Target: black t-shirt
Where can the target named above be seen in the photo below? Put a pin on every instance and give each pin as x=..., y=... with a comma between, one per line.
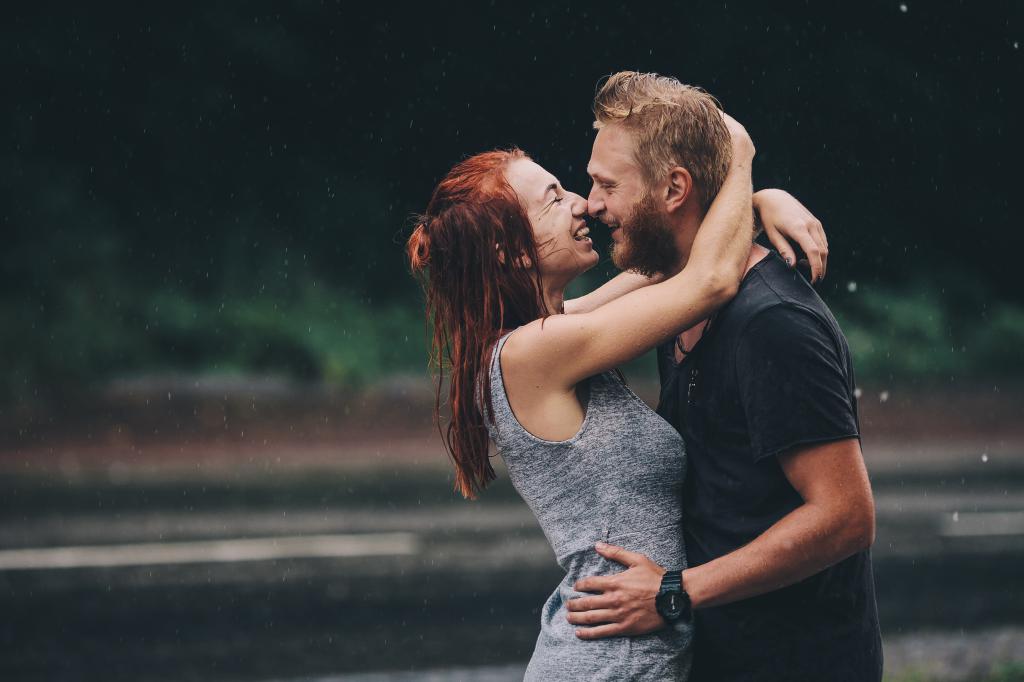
x=772, y=372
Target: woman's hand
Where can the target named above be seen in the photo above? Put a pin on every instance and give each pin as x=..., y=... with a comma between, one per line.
x=742, y=146
x=786, y=220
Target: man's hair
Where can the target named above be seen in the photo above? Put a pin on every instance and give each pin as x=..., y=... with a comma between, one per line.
x=672, y=124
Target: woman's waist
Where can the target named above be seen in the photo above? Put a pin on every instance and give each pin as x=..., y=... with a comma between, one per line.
x=662, y=544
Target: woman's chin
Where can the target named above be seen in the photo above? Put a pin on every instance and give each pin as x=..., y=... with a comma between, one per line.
x=588, y=260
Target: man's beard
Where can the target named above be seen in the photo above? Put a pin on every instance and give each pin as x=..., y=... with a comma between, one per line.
x=648, y=244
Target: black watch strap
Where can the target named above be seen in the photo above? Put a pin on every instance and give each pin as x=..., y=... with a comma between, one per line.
x=672, y=580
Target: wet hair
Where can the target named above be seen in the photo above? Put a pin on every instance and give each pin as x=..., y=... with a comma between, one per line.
x=672, y=124
x=466, y=251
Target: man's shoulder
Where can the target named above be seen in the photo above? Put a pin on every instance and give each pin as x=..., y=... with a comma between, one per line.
x=776, y=297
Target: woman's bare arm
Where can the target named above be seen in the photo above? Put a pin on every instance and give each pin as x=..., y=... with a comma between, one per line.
x=562, y=350
x=785, y=221
x=617, y=286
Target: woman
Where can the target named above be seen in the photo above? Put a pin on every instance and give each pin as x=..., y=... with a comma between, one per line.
x=498, y=244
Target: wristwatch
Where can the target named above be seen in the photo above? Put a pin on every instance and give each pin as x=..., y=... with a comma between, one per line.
x=672, y=601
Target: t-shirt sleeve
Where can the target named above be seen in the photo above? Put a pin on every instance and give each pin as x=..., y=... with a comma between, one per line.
x=794, y=382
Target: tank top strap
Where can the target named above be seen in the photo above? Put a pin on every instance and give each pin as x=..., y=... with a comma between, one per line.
x=500, y=409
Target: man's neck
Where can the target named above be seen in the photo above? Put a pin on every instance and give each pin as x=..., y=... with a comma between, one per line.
x=757, y=254
x=689, y=338
x=685, y=231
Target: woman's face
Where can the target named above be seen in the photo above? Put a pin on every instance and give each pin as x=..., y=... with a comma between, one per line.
x=557, y=218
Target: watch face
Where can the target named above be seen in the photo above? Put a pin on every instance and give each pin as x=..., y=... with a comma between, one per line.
x=670, y=604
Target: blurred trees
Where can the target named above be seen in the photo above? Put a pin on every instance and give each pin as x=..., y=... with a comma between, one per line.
x=221, y=186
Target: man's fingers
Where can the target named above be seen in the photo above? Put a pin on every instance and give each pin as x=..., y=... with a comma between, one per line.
x=589, y=603
x=619, y=555
x=600, y=631
x=598, y=617
x=594, y=583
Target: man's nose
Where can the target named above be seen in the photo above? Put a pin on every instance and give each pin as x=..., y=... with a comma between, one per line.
x=595, y=204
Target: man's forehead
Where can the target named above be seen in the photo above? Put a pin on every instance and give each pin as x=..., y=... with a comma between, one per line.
x=612, y=152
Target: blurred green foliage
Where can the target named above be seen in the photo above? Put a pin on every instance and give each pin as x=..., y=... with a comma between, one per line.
x=317, y=333
x=930, y=330
x=216, y=187
x=1001, y=672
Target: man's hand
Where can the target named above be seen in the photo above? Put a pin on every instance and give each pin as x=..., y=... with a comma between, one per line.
x=625, y=603
x=785, y=219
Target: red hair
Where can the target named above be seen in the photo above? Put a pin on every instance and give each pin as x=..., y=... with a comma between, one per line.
x=466, y=252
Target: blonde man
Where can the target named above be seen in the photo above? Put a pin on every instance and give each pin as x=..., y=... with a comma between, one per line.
x=778, y=510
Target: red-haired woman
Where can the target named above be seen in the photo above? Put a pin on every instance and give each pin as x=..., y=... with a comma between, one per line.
x=498, y=244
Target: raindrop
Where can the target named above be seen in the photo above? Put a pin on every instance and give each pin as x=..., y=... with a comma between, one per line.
x=851, y=286
x=903, y=7
x=883, y=396
x=956, y=516
x=857, y=393
x=984, y=457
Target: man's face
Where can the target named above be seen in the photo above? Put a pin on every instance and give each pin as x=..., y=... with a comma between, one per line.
x=642, y=238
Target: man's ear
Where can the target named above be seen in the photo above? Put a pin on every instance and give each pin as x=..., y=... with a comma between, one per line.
x=680, y=185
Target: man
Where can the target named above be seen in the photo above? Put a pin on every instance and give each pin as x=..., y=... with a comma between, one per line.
x=779, y=515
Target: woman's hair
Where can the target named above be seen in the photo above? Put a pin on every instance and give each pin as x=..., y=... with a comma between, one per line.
x=468, y=252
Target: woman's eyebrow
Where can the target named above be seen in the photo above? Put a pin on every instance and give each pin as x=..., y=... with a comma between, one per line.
x=553, y=187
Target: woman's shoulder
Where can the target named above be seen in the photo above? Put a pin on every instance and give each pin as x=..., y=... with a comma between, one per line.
x=531, y=340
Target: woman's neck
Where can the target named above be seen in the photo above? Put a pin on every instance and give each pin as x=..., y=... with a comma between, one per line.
x=554, y=298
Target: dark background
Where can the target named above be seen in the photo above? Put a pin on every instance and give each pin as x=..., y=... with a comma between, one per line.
x=226, y=187
x=208, y=332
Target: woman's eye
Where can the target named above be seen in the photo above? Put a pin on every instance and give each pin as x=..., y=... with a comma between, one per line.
x=558, y=200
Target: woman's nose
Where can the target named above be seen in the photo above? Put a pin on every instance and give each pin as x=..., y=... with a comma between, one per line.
x=579, y=205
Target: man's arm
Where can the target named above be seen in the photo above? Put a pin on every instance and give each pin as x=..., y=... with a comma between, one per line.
x=784, y=220
x=836, y=520
x=792, y=381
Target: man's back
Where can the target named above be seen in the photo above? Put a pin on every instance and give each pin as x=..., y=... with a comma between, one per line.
x=772, y=373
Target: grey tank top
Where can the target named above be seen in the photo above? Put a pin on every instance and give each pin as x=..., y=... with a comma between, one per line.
x=619, y=479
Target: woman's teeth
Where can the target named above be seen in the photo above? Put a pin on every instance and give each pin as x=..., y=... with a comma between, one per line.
x=581, y=234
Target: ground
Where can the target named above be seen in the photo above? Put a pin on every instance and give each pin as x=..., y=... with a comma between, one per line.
x=236, y=486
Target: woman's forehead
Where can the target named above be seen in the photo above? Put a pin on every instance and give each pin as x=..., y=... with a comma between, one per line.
x=529, y=180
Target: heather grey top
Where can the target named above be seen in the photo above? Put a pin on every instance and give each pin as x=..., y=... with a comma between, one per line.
x=619, y=479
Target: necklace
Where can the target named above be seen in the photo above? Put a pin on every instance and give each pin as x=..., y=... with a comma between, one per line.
x=679, y=339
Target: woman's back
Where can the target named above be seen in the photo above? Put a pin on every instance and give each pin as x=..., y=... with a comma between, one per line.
x=619, y=480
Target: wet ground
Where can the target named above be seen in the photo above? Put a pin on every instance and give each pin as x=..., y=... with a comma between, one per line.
x=317, y=574
x=243, y=533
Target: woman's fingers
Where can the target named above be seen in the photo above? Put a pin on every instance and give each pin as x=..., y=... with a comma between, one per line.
x=781, y=244
x=823, y=245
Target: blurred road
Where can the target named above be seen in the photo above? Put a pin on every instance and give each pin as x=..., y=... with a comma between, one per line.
x=322, y=575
